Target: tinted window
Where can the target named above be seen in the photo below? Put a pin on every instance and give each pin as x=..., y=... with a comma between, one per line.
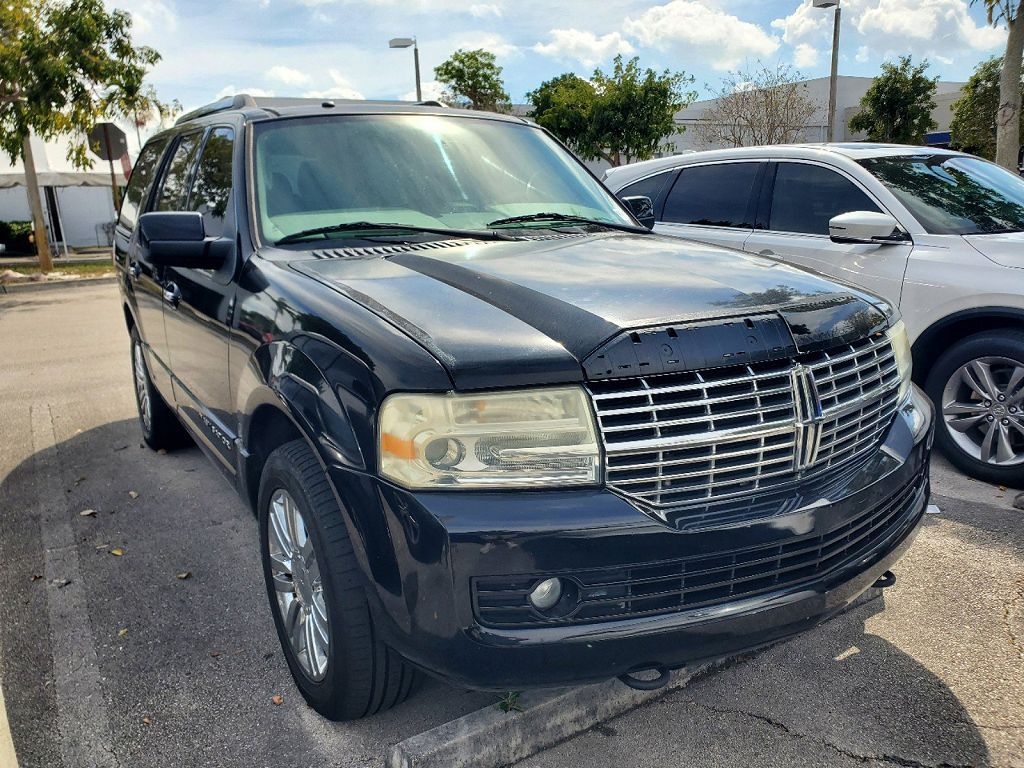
x=211, y=191
x=807, y=196
x=718, y=195
x=174, y=189
x=140, y=182
x=953, y=194
x=650, y=187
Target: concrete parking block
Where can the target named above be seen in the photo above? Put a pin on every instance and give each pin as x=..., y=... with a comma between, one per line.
x=492, y=738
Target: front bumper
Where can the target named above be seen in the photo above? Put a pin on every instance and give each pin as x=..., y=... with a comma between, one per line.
x=425, y=552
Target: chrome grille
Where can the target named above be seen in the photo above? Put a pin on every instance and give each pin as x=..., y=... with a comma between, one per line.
x=686, y=438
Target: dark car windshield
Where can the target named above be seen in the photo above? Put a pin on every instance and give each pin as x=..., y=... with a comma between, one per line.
x=423, y=170
x=954, y=194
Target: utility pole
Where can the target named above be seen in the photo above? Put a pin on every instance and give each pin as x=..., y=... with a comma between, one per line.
x=833, y=82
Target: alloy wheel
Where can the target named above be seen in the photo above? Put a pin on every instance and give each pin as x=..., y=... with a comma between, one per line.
x=142, y=388
x=297, y=584
x=983, y=409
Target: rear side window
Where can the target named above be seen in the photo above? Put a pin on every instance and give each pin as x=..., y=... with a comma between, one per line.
x=651, y=187
x=211, y=191
x=806, y=196
x=140, y=182
x=714, y=195
x=174, y=189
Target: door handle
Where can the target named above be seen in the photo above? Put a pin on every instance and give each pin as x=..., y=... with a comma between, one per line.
x=134, y=270
x=172, y=295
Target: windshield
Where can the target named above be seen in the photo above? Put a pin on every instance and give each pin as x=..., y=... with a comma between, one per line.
x=421, y=170
x=954, y=194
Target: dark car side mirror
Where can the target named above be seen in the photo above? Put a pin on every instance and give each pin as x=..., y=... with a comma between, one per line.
x=642, y=209
x=178, y=239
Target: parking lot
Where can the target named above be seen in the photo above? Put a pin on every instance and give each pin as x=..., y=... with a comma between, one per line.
x=134, y=629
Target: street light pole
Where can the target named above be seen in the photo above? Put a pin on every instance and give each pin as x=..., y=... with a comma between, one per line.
x=833, y=81
x=410, y=42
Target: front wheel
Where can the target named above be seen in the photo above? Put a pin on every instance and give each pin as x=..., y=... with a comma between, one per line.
x=316, y=594
x=978, y=390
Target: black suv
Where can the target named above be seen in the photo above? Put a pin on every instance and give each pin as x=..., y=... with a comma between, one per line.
x=492, y=427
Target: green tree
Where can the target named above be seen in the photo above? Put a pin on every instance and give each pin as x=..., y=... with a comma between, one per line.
x=1008, y=109
x=472, y=79
x=64, y=66
x=619, y=117
x=898, y=106
x=973, y=128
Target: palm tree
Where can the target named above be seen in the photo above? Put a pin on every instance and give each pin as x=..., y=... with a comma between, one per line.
x=1008, y=115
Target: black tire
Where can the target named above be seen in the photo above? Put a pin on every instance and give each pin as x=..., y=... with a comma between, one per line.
x=363, y=676
x=163, y=431
x=1001, y=344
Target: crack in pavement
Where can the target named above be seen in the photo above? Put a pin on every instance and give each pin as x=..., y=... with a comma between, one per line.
x=904, y=762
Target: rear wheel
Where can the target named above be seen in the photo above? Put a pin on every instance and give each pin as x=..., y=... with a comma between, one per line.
x=978, y=390
x=317, y=597
x=160, y=427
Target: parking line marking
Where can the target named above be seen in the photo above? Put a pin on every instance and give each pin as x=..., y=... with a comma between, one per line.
x=82, y=710
x=8, y=758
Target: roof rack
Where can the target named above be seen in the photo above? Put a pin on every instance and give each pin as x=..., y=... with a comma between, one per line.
x=274, y=103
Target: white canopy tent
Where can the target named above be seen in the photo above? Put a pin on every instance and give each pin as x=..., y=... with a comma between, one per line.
x=78, y=203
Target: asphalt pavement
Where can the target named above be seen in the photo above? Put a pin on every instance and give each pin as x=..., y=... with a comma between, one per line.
x=165, y=654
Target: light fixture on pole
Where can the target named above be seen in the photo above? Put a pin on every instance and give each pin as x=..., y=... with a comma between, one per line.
x=834, y=77
x=407, y=42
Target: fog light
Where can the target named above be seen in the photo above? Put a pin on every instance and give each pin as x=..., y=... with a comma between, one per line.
x=546, y=594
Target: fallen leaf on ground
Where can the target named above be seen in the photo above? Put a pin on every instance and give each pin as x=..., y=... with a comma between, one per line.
x=120, y=447
x=215, y=654
x=78, y=480
x=1001, y=487
x=88, y=513
x=133, y=494
x=117, y=551
x=102, y=546
x=60, y=583
x=162, y=452
x=278, y=699
x=146, y=721
x=122, y=632
x=36, y=577
x=183, y=575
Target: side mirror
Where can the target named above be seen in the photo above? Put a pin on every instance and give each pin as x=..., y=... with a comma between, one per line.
x=178, y=239
x=642, y=209
x=866, y=227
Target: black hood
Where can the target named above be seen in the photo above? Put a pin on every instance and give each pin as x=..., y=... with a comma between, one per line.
x=530, y=312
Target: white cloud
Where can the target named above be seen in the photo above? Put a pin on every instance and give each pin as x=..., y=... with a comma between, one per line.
x=432, y=91
x=479, y=10
x=340, y=88
x=230, y=90
x=935, y=28
x=584, y=47
x=494, y=43
x=694, y=29
x=805, y=55
x=288, y=75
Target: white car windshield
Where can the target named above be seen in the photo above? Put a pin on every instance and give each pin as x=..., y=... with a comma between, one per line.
x=425, y=171
x=954, y=194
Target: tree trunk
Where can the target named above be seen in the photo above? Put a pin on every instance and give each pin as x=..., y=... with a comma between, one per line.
x=1008, y=116
x=36, y=204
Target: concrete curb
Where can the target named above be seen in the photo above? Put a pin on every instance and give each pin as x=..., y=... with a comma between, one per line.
x=13, y=288
x=490, y=738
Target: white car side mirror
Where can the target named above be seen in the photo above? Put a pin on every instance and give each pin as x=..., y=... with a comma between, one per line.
x=869, y=227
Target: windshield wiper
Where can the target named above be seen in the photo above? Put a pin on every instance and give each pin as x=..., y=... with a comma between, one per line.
x=567, y=218
x=355, y=226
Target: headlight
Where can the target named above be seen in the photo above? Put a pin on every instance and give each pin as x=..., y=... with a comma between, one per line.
x=517, y=439
x=901, y=349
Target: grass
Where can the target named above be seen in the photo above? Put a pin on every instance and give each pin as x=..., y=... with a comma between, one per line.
x=79, y=269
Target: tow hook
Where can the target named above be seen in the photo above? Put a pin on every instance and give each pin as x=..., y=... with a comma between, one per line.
x=645, y=684
x=886, y=580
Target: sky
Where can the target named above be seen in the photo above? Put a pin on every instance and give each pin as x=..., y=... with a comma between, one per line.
x=339, y=48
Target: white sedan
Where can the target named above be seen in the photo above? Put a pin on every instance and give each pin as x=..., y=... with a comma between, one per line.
x=940, y=234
